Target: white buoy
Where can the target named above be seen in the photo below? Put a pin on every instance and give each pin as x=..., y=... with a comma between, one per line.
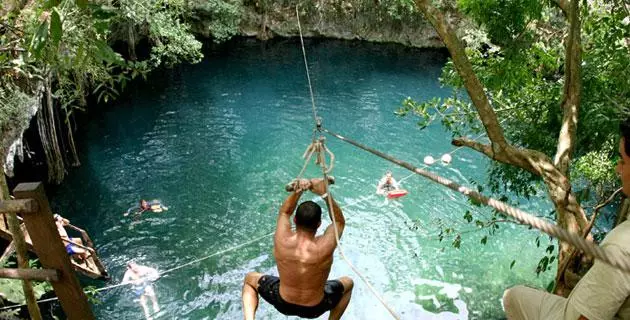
x=428, y=160
x=446, y=158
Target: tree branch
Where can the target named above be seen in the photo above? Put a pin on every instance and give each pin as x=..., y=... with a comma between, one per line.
x=571, y=92
x=530, y=160
x=462, y=64
x=598, y=207
x=563, y=5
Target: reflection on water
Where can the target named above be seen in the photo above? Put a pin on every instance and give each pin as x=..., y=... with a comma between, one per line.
x=217, y=142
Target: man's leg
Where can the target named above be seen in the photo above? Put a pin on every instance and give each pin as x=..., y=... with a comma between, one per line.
x=525, y=303
x=339, y=309
x=151, y=293
x=145, y=307
x=250, y=294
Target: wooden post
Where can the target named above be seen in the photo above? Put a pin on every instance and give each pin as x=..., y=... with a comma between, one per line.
x=7, y=253
x=30, y=274
x=21, y=250
x=52, y=254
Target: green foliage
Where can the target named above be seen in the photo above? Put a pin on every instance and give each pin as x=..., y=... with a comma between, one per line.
x=596, y=169
x=170, y=37
x=173, y=44
x=506, y=21
x=518, y=55
x=12, y=101
x=11, y=289
x=220, y=17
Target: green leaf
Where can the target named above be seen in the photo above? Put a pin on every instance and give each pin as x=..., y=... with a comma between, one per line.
x=457, y=242
x=512, y=264
x=468, y=216
x=39, y=39
x=550, y=248
x=551, y=285
x=55, y=27
x=52, y=3
x=484, y=240
x=82, y=3
x=105, y=53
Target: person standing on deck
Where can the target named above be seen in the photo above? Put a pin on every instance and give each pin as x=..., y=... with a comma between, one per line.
x=141, y=278
x=603, y=292
x=304, y=262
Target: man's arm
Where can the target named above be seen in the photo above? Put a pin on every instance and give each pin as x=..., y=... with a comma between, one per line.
x=395, y=184
x=603, y=289
x=126, y=278
x=286, y=210
x=319, y=187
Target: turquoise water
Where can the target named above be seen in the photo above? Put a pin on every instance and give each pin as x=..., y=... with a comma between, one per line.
x=217, y=141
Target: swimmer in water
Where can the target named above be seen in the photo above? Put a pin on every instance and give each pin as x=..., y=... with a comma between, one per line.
x=153, y=206
x=387, y=184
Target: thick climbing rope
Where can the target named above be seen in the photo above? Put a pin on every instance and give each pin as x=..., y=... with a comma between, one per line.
x=318, y=146
x=161, y=274
x=572, y=238
x=325, y=172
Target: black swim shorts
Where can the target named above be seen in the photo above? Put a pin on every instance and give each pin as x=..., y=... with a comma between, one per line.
x=269, y=289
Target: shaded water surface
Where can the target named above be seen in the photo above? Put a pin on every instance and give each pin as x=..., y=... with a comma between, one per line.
x=217, y=141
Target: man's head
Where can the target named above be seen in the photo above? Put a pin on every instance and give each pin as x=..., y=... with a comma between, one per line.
x=143, y=203
x=623, y=166
x=308, y=216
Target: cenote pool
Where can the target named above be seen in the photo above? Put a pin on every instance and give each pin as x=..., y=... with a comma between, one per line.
x=217, y=141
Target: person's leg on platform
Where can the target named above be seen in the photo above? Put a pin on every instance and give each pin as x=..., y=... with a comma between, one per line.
x=525, y=303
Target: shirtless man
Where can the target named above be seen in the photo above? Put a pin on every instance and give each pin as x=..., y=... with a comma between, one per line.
x=69, y=243
x=141, y=278
x=304, y=262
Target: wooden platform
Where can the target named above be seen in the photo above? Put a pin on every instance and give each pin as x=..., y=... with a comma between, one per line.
x=92, y=268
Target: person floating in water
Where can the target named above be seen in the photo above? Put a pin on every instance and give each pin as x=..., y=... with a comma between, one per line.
x=74, y=246
x=143, y=205
x=141, y=279
x=387, y=184
x=304, y=261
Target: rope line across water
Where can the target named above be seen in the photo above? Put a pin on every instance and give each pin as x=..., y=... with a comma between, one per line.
x=572, y=238
x=363, y=199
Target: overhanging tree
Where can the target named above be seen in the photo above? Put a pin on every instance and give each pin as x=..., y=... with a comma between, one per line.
x=524, y=78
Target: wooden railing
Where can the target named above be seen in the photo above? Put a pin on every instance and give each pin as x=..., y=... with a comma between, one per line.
x=32, y=203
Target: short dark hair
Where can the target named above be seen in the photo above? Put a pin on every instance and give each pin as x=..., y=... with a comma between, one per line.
x=308, y=216
x=624, y=128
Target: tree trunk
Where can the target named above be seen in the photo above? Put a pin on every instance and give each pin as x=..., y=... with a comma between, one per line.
x=131, y=41
x=622, y=213
x=20, y=248
x=48, y=135
x=73, y=148
x=570, y=215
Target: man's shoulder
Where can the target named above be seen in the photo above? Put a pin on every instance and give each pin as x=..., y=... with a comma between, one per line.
x=619, y=236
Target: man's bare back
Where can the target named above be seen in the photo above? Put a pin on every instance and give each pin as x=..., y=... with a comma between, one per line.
x=304, y=262
x=304, y=265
